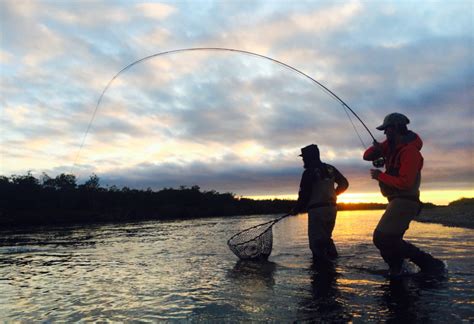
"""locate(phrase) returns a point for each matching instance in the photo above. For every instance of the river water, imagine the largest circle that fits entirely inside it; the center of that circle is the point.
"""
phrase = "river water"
(183, 271)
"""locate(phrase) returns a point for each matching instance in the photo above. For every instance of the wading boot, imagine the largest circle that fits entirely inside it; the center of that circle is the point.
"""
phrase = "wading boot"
(395, 268)
(428, 264)
(406, 269)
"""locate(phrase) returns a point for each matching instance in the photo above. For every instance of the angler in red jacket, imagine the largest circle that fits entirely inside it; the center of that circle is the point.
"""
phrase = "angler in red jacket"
(400, 183)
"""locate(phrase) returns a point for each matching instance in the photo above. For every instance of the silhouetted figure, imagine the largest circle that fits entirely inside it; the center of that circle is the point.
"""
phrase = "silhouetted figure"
(400, 183)
(318, 195)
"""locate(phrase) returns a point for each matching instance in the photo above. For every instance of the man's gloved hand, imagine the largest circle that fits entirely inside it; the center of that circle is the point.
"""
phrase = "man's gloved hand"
(374, 174)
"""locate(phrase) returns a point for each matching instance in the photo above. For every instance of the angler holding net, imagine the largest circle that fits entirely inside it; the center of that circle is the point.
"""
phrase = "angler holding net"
(318, 195)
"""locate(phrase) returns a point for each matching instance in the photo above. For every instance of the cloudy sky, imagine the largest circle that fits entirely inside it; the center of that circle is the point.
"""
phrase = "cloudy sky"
(225, 120)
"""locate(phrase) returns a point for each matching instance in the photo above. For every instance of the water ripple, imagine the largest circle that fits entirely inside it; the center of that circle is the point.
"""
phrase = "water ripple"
(183, 271)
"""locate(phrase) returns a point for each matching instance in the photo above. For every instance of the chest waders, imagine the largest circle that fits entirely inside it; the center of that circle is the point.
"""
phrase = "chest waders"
(403, 206)
(322, 212)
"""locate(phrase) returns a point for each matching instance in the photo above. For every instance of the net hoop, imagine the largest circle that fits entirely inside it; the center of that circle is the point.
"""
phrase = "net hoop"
(270, 223)
(247, 245)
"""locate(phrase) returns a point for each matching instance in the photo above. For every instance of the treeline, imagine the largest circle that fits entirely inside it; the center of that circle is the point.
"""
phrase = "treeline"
(26, 200)
(469, 202)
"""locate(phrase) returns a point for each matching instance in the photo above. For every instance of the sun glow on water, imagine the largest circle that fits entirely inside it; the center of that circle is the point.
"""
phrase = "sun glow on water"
(438, 197)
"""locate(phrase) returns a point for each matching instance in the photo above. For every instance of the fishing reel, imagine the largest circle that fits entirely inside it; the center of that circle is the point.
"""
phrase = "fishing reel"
(379, 163)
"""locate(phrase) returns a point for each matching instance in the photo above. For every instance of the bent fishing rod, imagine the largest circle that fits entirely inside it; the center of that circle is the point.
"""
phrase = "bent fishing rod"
(223, 49)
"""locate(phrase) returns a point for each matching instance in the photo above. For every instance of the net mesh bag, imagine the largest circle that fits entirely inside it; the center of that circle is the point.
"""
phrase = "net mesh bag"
(254, 243)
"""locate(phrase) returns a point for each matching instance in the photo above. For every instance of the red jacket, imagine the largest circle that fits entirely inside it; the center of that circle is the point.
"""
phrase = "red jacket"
(403, 166)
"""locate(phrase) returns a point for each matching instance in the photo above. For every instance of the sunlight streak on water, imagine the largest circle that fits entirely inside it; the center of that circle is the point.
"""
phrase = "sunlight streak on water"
(183, 270)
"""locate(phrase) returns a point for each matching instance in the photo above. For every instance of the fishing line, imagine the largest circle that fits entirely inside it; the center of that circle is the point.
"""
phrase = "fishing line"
(324, 88)
(354, 127)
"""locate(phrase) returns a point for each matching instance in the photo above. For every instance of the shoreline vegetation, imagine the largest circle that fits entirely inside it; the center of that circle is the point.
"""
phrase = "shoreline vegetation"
(458, 213)
(26, 201)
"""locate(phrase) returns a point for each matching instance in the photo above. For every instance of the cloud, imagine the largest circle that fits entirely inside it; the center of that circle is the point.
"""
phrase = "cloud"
(278, 175)
(41, 44)
(226, 98)
(227, 120)
(5, 57)
(326, 19)
(226, 177)
(152, 38)
(266, 34)
(155, 10)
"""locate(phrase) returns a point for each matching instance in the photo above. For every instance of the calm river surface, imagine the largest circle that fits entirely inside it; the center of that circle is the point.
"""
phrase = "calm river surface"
(183, 271)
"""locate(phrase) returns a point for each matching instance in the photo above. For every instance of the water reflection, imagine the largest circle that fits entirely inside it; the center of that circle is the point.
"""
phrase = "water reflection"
(399, 299)
(183, 271)
(324, 303)
(405, 299)
(253, 274)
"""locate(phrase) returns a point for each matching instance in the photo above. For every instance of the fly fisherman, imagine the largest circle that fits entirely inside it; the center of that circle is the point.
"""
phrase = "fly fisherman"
(400, 183)
(318, 196)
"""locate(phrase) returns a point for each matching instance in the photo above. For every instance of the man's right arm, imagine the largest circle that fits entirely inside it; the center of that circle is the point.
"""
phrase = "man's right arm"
(375, 151)
(341, 181)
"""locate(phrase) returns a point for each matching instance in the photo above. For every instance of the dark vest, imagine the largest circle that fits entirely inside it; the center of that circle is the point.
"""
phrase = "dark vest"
(323, 192)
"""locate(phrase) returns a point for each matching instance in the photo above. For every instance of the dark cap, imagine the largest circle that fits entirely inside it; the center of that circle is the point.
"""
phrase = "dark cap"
(394, 119)
(311, 150)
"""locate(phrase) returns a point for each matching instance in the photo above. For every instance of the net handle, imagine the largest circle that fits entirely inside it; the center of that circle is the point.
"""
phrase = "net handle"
(272, 222)
(284, 216)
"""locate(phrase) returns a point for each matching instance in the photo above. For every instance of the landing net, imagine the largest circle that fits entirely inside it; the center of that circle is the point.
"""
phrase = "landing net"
(254, 243)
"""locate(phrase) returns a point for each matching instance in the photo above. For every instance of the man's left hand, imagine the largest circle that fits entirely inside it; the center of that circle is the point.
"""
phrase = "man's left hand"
(374, 173)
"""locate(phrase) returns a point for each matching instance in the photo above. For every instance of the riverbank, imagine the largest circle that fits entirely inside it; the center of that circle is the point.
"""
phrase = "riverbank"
(459, 213)
(26, 201)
